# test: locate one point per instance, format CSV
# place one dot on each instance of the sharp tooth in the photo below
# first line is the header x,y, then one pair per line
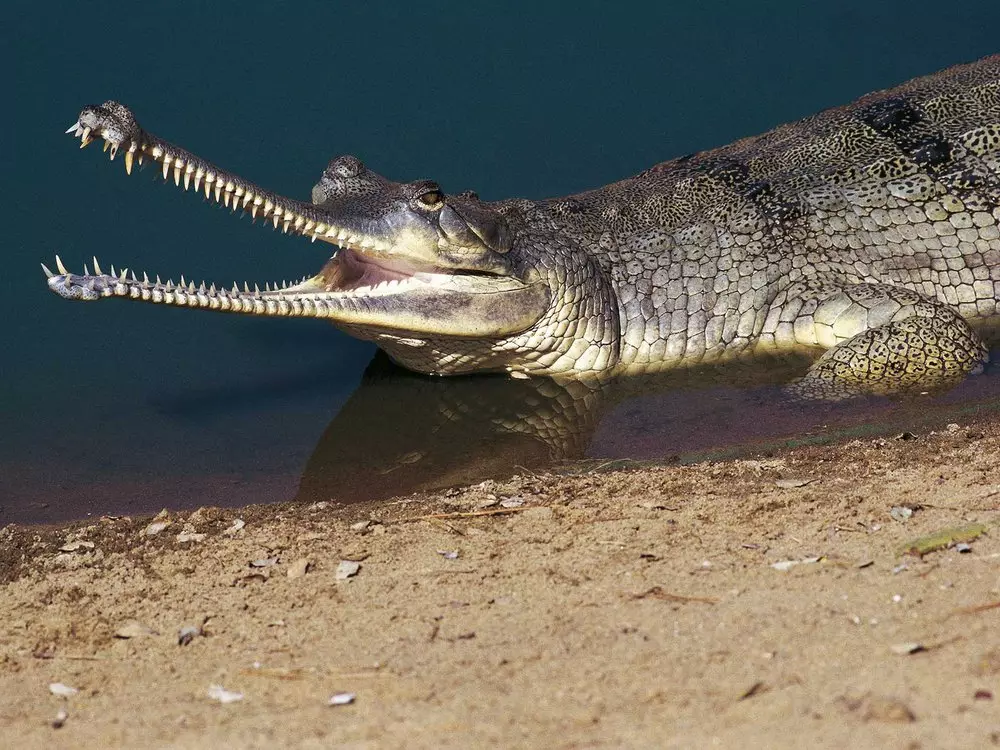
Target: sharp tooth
x,y
225,200
74,127
253,212
275,218
183,283
218,191
191,287
145,278
85,139
198,174
246,287
268,205
48,273
212,290
86,271
177,173
128,162
105,146
321,228
61,267
208,188
97,268
158,282
123,276
284,227
247,197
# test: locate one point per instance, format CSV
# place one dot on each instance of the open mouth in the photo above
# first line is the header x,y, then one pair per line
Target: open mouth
x,y
353,269
369,284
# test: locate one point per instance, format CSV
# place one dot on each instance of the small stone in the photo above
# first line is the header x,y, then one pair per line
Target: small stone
x,y
299,568
784,565
963,547
61,715
237,526
512,502
888,710
347,569
266,562
77,545
901,513
219,693
187,634
321,505
341,699
903,649
155,528
63,691
448,554
190,536
133,629
360,526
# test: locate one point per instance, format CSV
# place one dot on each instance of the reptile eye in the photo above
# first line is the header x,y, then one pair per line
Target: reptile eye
x,y
431,198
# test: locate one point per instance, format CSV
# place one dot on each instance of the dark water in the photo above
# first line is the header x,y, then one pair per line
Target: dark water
x,y
120,407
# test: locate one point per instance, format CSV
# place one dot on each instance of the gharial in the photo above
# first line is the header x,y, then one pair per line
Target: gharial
x,y
870,231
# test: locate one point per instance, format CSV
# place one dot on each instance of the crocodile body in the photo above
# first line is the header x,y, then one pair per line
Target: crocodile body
x,y
870,232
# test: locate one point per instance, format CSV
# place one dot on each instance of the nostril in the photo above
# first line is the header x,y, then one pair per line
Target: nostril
x,y
345,167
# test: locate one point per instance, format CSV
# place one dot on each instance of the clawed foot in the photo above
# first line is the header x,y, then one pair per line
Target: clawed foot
x,y
113,122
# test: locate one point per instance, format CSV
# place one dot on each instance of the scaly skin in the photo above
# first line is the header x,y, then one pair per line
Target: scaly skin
x,y
871,231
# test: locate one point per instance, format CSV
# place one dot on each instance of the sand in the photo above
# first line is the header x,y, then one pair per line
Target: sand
x,y
764,602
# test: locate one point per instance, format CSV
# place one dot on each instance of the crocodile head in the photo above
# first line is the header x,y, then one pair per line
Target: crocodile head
x,y
443,283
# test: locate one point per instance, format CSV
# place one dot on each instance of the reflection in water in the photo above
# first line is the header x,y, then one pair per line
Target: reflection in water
x,y
401,433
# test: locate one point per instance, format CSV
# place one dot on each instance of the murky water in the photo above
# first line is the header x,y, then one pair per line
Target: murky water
x,y
124,408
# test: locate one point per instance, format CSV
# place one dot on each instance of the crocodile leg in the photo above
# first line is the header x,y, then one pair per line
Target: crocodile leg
x,y
881,340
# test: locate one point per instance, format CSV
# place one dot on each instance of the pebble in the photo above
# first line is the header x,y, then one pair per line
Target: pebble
x,y
299,568
341,699
219,693
187,634
347,569
63,691
237,526
155,528
74,546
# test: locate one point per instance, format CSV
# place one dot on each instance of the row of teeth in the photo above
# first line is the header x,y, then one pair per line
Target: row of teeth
x,y
227,192
126,283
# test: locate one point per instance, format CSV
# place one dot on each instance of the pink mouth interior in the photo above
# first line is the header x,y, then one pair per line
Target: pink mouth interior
x,y
350,270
